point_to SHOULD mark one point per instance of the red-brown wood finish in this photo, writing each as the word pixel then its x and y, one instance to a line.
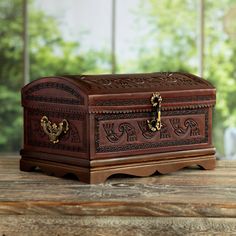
pixel 108 131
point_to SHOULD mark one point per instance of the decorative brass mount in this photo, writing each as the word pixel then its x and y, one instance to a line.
pixel 155 124
pixel 52 130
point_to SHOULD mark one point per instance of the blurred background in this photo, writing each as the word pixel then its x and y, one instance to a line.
pixel 50 37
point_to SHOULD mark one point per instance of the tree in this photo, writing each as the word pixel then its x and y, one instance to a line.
pixel 169 44
pixel 50 54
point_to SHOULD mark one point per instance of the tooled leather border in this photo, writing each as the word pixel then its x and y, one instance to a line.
pixel 144 101
pixel 60 86
pixel 145 145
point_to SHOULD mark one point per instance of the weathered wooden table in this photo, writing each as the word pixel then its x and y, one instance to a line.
pixel 190 201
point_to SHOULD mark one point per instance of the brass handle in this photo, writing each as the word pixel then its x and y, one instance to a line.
pixel 155 124
pixel 52 130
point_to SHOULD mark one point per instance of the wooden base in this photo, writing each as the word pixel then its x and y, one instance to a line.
pixel 99 170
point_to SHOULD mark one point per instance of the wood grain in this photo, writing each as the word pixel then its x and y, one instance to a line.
pixel 118 226
pixel 106 124
pixel 185 202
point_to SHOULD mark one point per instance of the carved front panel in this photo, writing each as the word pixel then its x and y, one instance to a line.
pixel 73 140
pixel 130 132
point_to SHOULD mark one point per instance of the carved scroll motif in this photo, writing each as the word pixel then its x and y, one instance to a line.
pixel 193 126
pixel 190 125
pixel 146 132
pixel 164 133
pixel 124 128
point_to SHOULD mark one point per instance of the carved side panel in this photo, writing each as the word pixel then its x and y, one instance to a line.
pixel 129 132
pixel 74 140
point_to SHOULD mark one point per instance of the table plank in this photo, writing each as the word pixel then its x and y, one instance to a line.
pixel 132 226
pixel 187 193
pixel 187 202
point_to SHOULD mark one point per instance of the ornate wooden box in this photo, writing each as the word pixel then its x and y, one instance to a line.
pixel 94 126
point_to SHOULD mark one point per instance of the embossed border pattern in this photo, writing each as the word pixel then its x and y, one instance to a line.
pixel 53 85
pixel 144 101
pixel 146 145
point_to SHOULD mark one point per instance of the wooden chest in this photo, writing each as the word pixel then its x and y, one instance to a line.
pixel 94 126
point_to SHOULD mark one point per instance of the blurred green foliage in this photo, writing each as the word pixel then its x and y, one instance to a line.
pixel 50 54
pixel 167 43
pixel 10 75
pixel 170 44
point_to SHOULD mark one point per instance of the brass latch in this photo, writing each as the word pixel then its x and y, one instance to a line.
pixel 155 124
pixel 52 130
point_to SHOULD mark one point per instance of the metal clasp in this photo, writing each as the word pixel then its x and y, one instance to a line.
pixel 155 124
pixel 52 130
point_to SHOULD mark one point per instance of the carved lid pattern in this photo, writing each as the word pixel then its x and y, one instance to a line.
pixel 125 83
